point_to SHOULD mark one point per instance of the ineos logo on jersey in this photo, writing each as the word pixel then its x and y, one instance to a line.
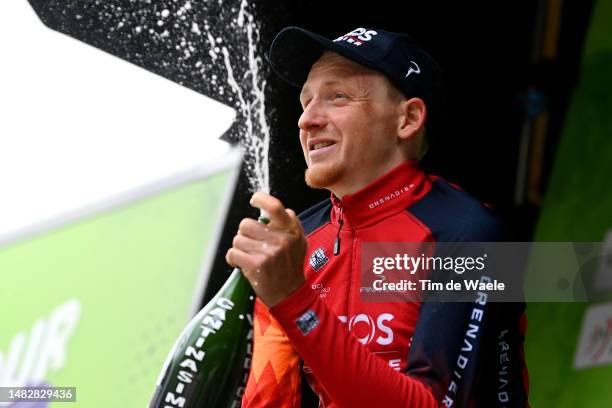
pixel 414 69
pixel 358 36
pixel 360 321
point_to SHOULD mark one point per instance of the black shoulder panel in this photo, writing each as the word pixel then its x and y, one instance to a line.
pixel 453 215
pixel 315 216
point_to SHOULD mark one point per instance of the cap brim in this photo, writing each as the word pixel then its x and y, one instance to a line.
pixel 294 51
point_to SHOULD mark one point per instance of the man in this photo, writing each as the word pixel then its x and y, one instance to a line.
pixel 365 99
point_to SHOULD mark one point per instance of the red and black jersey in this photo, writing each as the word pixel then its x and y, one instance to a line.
pixel 387 354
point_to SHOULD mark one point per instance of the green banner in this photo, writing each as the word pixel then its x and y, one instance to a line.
pixel 97 304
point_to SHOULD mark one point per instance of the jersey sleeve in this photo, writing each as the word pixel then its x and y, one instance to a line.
pixel 274 380
pixel 349 372
pixel 462 355
pixel 471 354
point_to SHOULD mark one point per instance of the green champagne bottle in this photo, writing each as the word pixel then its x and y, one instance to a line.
pixel 209 364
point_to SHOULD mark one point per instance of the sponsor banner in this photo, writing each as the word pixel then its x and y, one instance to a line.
pixel 97 304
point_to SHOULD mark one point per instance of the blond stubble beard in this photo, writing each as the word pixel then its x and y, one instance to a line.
pixel 323 176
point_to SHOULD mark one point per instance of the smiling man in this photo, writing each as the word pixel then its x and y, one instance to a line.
pixel 364 105
pixel 366 97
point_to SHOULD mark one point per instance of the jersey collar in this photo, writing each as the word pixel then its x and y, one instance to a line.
pixel 391 193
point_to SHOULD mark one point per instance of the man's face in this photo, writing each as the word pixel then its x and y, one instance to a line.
pixel 349 125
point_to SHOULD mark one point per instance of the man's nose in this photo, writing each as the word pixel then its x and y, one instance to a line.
pixel 313 116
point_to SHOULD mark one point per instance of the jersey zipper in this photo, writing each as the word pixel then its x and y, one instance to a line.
pixel 337 241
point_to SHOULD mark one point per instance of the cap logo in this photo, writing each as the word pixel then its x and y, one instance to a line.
pixel 414 69
pixel 358 36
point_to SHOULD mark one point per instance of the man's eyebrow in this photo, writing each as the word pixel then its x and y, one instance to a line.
pixel 306 91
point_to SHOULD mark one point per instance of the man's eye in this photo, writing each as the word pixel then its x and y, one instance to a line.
pixel 339 95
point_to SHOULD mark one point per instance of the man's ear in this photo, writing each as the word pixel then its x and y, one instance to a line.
pixel 412 118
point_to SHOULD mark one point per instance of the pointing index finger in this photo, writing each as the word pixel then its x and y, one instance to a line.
pixel 274 208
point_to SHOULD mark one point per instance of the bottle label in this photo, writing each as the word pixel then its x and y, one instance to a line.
pixel 210 324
